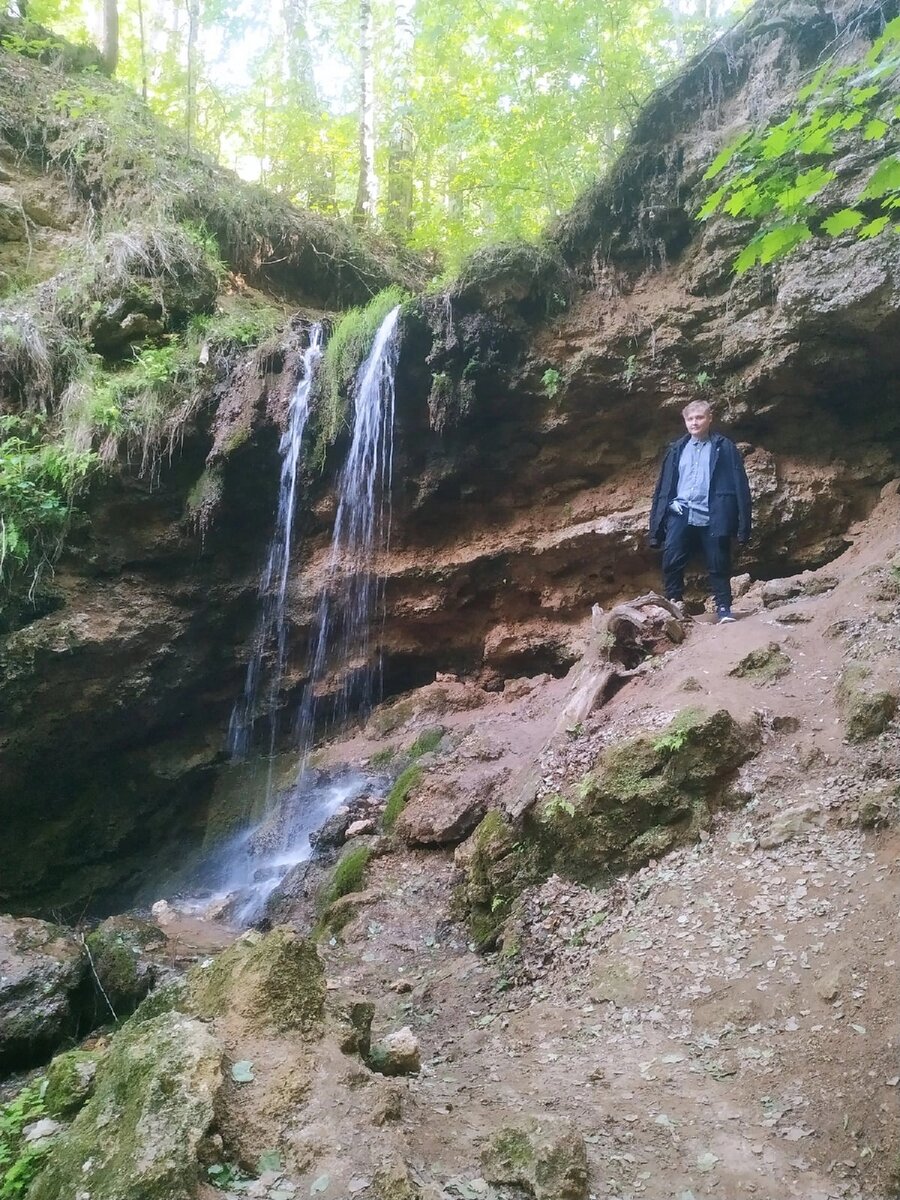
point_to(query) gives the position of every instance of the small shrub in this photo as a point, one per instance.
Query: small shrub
(38, 481)
(551, 379)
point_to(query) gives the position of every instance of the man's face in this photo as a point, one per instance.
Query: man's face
(698, 422)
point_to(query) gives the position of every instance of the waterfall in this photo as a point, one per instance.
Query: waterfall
(353, 596)
(270, 631)
(344, 674)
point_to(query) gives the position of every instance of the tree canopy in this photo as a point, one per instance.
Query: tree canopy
(443, 122)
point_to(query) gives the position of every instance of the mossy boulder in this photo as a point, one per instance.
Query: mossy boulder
(764, 665)
(70, 1082)
(118, 950)
(275, 981)
(645, 796)
(498, 865)
(137, 1137)
(548, 1164)
(868, 709)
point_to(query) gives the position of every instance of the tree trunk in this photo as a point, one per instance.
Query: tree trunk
(143, 40)
(402, 142)
(298, 53)
(193, 15)
(367, 190)
(111, 35)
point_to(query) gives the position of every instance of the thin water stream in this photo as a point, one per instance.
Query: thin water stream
(345, 669)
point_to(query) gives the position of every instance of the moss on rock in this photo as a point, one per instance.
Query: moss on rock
(647, 795)
(548, 1164)
(500, 865)
(276, 981)
(764, 665)
(70, 1082)
(399, 794)
(117, 951)
(137, 1137)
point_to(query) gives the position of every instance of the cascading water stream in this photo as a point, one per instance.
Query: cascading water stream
(343, 675)
(270, 633)
(353, 596)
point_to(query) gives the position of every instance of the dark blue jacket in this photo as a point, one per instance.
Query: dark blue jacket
(729, 491)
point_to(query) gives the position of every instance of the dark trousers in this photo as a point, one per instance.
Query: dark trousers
(683, 541)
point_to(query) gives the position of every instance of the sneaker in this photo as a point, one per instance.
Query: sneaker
(678, 606)
(724, 616)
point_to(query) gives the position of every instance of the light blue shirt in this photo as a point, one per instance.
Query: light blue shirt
(693, 481)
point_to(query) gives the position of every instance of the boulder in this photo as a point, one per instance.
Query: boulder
(867, 707)
(447, 807)
(42, 986)
(119, 950)
(274, 981)
(137, 1138)
(644, 796)
(396, 1054)
(549, 1164)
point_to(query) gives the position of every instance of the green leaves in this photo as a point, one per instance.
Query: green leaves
(768, 177)
(841, 222)
(774, 243)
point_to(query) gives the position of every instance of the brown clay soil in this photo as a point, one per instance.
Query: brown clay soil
(724, 1022)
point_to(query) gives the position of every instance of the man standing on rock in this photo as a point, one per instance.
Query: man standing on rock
(702, 500)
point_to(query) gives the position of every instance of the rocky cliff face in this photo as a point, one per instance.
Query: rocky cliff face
(534, 398)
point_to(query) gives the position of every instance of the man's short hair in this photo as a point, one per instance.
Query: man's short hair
(703, 406)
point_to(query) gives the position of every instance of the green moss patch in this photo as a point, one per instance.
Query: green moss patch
(399, 794)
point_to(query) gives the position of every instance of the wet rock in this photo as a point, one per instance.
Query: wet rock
(70, 1082)
(397, 1054)
(274, 981)
(139, 1134)
(42, 977)
(763, 666)
(548, 1164)
(332, 834)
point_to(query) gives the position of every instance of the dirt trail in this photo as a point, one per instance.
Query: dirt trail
(724, 1022)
